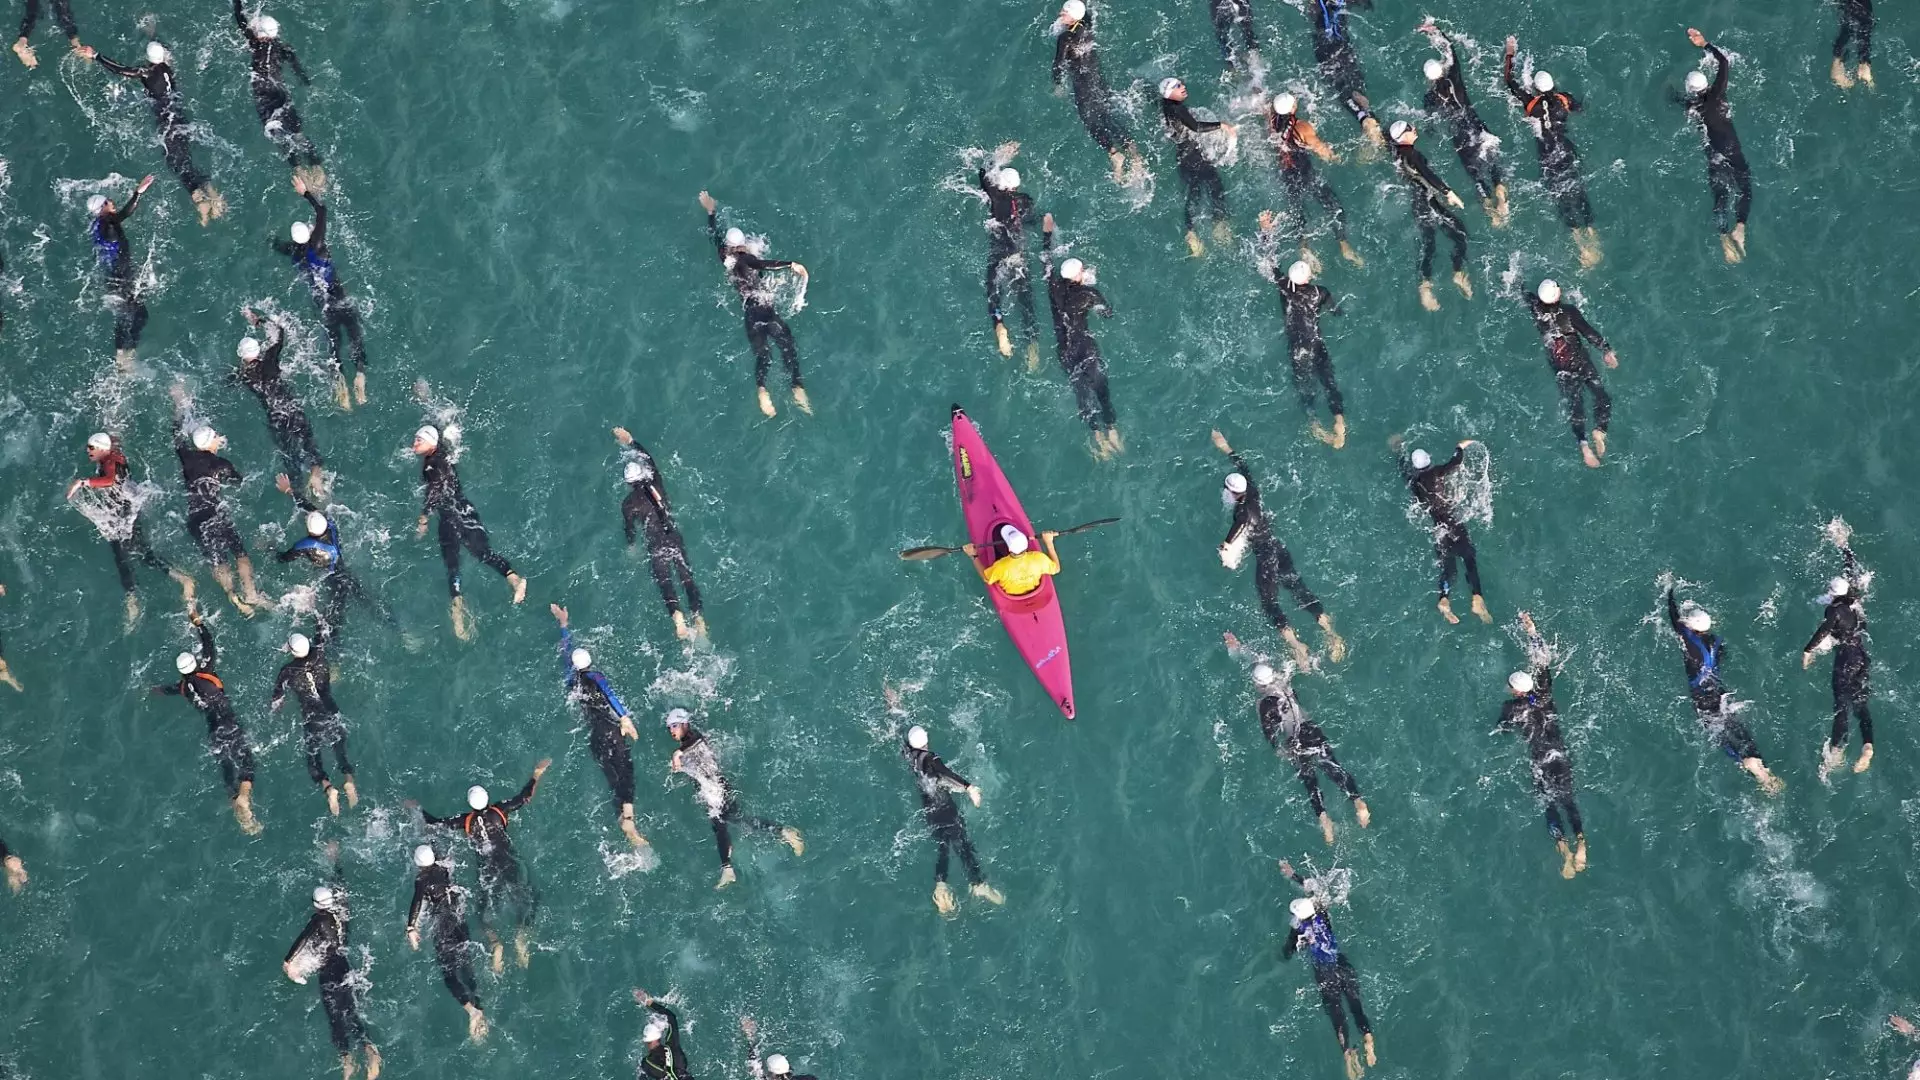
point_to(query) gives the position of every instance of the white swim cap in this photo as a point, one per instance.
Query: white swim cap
(655, 1032)
(736, 238)
(477, 797)
(917, 737)
(678, 717)
(157, 53)
(1839, 586)
(249, 348)
(322, 897)
(1434, 70)
(1301, 909)
(1015, 540)
(581, 659)
(1696, 82)
(1005, 179)
(316, 524)
(1400, 131)
(1264, 675)
(1072, 269)
(99, 440)
(1548, 292)
(1420, 459)
(1236, 483)
(428, 436)
(423, 856)
(205, 438)
(1699, 621)
(1169, 86)
(1300, 273)
(635, 472)
(95, 204)
(299, 646)
(1542, 82)
(300, 231)
(777, 1065)
(185, 663)
(1520, 682)
(1074, 10)
(267, 27)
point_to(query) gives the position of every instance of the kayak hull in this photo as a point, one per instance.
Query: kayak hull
(1033, 620)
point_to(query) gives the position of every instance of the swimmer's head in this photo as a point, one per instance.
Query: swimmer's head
(267, 27)
(1839, 586)
(185, 663)
(1696, 82)
(95, 204)
(323, 897)
(1543, 82)
(1072, 269)
(157, 53)
(426, 440)
(1264, 675)
(777, 1065)
(299, 646)
(1434, 70)
(1285, 104)
(1173, 89)
(1236, 484)
(205, 439)
(1301, 909)
(1402, 132)
(678, 719)
(316, 524)
(736, 238)
(1520, 683)
(423, 856)
(477, 797)
(1300, 273)
(300, 231)
(1015, 539)
(249, 348)
(655, 1031)
(634, 472)
(99, 443)
(1699, 621)
(1420, 459)
(917, 737)
(1005, 179)
(1549, 291)
(581, 659)
(1073, 11)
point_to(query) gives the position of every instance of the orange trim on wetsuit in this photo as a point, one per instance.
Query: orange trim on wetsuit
(1565, 101)
(466, 820)
(210, 677)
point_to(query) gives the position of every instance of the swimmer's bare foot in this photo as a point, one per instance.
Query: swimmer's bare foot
(792, 836)
(1446, 611)
(766, 402)
(1480, 608)
(943, 898)
(519, 587)
(1427, 299)
(1866, 756)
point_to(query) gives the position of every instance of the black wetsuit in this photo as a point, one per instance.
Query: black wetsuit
(1845, 624)
(110, 481)
(62, 15)
(435, 895)
(505, 893)
(765, 327)
(646, 507)
(1704, 655)
(1076, 59)
(1201, 178)
(1333, 51)
(325, 936)
(170, 113)
(1559, 160)
(337, 584)
(115, 254)
(1538, 721)
(937, 785)
(270, 98)
(604, 711)
(666, 1061)
(1727, 172)
(315, 263)
(1304, 745)
(1272, 562)
(1080, 357)
(1299, 178)
(226, 739)
(1450, 539)
(1303, 305)
(1430, 209)
(459, 521)
(1561, 327)
(716, 795)
(1229, 16)
(1448, 103)
(209, 521)
(1008, 215)
(312, 686)
(1333, 974)
(292, 435)
(1856, 26)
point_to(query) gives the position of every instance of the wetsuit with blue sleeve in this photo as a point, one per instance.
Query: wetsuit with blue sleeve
(338, 585)
(1705, 653)
(115, 256)
(1333, 51)
(604, 711)
(1333, 974)
(315, 263)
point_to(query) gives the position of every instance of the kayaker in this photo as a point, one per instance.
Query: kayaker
(1017, 569)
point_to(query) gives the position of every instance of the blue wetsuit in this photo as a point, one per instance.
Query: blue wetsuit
(1333, 975)
(1705, 653)
(604, 711)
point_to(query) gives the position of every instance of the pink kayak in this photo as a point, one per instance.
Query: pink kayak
(1032, 620)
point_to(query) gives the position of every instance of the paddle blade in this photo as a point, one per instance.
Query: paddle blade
(1088, 525)
(922, 554)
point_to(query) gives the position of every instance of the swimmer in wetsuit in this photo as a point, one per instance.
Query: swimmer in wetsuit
(1547, 110)
(1427, 481)
(937, 784)
(278, 118)
(1201, 178)
(322, 948)
(1530, 712)
(1339, 64)
(1705, 653)
(1727, 172)
(646, 505)
(1073, 297)
(609, 724)
(310, 680)
(115, 255)
(1333, 974)
(307, 247)
(124, 535)
(774, 1065)
(1843, 628)
(1302, 303)
(1298, 739)
(259, 372)
(504, 889)
(1561, 327)
(1076, 65)
(664, 1059)
(1272, 562)
(321, 547)
(436, 897)
(1296, 145)
(209, 521)
(227, 740)
(170, 113)
(1447, 102)
(1433, 206)
(1230, 16)
(1009, 212)
(1856, 29)
(765, 326)
(1016, 569)
(16, 870)
(63, 16)
(459, 525)
(694, 758)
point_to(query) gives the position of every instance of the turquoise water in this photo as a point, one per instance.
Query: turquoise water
(515, 185)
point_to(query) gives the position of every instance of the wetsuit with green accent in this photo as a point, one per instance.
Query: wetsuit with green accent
(666, 1061)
